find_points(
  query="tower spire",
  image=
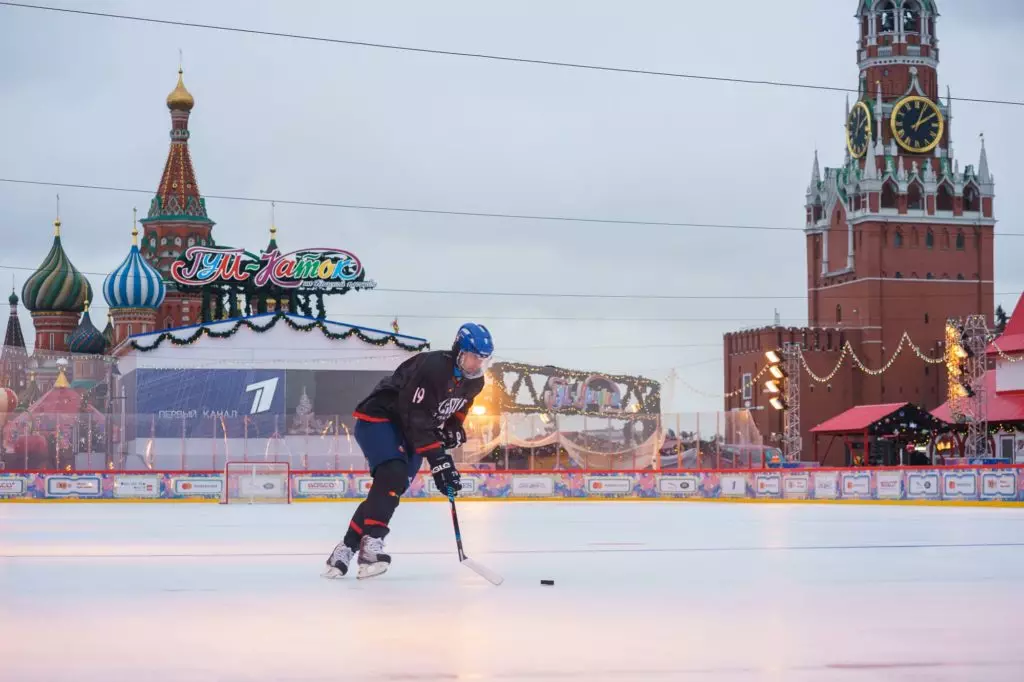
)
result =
(984, 175)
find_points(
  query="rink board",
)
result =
(954, 484)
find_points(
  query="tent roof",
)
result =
(1001, 407)
(857, 419)
(1012, 338)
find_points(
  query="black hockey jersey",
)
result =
(419, 397)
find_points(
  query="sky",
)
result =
(82, 100)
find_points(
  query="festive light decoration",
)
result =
(847, 350)
(646, 392)
(260, 329)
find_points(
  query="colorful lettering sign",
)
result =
(316, 270)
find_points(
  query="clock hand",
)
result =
(920, 121)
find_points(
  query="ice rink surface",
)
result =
(643, 591)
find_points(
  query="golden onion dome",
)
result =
(180, 98)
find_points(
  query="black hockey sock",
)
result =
(374, 513)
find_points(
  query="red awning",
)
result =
(1011, 341)
(1001, 407)
(857, 419)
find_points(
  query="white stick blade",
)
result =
(483, 571)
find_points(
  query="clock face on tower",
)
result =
(858, 130)
(917, 124)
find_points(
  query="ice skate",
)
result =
(372, 559)
(338, 562)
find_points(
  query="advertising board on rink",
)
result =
(796, 485)
(981, 484)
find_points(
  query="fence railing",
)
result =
(184, 441)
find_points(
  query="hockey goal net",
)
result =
(257, 483)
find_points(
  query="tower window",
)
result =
(926, 318)
(930, 276)
(839, 314)
(897, 240)
(899, 275)
(888, 18)
(960, 276)
(889, 194)
(929, 240)
(944, 200)
(911, 18)
(915, 197)
(960, 241)
(971, 199)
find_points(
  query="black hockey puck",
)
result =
(547, 582)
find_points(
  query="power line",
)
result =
(573, 295)
(476, 55)
(429, 211)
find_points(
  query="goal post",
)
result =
(257, 483)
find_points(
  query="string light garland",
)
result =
(847, 350)
(261, 329)
(647, 392)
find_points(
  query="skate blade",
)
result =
(332, 573)
(372, 570)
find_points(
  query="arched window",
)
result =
(915, 196)
(168, 322)
(926, 318)
(961, 243)
(897, 240)
(839, 313)
(944, 199)
(889, 194)
(945, 239)
(972, 200)
(929, 240)
(911, 17)
(888, 17)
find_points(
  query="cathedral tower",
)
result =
(177, 216)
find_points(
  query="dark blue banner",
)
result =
(206, 403)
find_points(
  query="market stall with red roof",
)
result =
(899, 423)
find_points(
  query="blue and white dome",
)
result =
(134, 283)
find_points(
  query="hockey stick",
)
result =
(482, 571)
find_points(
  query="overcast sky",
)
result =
(82, 101)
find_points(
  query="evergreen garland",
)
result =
(296, 326)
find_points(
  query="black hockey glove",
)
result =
(452, 434)
(446, 476)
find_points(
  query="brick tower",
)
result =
(899, 237)
(177, 216)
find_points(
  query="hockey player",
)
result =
(415, 413)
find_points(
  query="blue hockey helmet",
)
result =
(473, 349)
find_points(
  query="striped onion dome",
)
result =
(56, 286)
(86, 338)
(134, 283)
